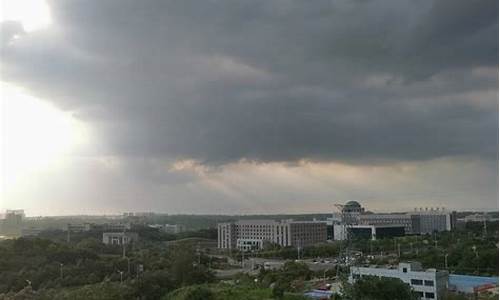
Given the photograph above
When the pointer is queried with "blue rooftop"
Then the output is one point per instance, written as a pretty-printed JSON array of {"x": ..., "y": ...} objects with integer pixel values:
[
  {"x": 319, "y": 294},
  {"x": 467, "y": 283}
]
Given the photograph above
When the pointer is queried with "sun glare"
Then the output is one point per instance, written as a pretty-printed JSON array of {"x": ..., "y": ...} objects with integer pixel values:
[
  {"x": 32, "y": 14},
  {"x": 35, "y": 134}
]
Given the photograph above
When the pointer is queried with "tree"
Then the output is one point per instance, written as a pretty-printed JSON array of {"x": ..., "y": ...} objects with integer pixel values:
[
  {"x": 279, "y": 289},
  {"x": 200, "y": 293},
  {"x": 375, "y": 288},
  {"x": 295, "y": 270},
  {"x": 154, "y": 284},
  {"x": 191, "y": 293},
  {"x": 185, "y": 267}
]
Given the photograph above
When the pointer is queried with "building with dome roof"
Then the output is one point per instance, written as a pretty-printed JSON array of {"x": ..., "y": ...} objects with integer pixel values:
[
  {"x": 417, "y": 222},
  {"x": 353, "y": 207}
]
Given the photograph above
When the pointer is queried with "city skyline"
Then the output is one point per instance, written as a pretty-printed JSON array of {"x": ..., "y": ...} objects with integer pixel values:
[{"x": 230, "y": 108}]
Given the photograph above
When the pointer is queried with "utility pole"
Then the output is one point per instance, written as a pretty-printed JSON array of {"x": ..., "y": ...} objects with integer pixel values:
[
  {"x": 198, "y": 251},
  {"x": 474, "y": 248},
  {"x": 298, "y": 250},
  {"x": 399, "y": 250},
  {"x": 68, "y": 235},
  {"x": 446, "y": 261},
  {"x": 485, "y": 232},
  {"x": 123, "y": 242},
  {"x": 128, "y": 266},
  {"x": 61, "y": 270}
]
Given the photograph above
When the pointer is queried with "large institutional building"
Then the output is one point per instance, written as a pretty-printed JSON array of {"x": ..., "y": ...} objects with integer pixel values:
[
  {"x": 353, "y": 221},
  {"x": 421, "y": 221},
  {"x": 254, "y": 234}
]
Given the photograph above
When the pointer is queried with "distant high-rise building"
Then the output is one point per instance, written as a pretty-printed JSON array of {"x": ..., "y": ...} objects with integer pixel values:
[{"x": 12, "y": 223}]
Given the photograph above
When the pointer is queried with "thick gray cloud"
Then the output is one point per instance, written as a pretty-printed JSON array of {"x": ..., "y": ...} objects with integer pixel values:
[
  {"x": 280, "y": 80},
  {"x": 360, "y": 82}
]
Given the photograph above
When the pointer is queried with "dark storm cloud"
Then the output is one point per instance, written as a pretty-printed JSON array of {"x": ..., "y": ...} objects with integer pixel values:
[{"x": 272, "y": 80}]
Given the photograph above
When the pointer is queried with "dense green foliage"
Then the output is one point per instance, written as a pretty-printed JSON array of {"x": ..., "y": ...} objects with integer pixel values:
[
  {"x": 63, "y": 270},
  {"x": 375, "y": 288},
  {"x": 229, "y": 292},
  {"x": 176, "y": 267}
]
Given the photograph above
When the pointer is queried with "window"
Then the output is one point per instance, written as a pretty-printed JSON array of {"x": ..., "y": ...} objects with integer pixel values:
[
  {"x": 405, "y": 270},
  {"x": 416, "y": 282},
  {"x": 429, "y": 295},
  {"x": 429, "y": 283},
  {"x": 420, "y": 294}
]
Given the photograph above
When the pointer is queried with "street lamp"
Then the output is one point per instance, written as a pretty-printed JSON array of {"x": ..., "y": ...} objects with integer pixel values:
[
  {"x": 121, "y": 276},
  {"x": 474, "y": 248},
  {"x": 61, "y": 270}
]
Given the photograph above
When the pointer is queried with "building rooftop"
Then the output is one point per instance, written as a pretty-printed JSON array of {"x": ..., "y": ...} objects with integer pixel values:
[{"x": 353, "y": 203}]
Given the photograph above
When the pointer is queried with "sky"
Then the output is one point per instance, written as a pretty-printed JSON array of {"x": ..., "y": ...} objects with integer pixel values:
[{"x": 237, "y": 107}]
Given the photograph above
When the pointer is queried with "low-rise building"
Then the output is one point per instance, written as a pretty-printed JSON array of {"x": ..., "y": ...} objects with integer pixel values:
[
  {"x": 174, "y": 228},
  {"x": 477, "y": 218},
  {"x": 79, "y": 227},
  {"x": 30, "y": 232},
  {"x": 119, "y": 238},
  {"x": 84, "y": 227},
  {"x": 169, "y": 228},
  {"x": 427, "y": 284}
]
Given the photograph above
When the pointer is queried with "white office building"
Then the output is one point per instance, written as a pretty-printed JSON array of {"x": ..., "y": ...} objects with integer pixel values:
[
  {"x": 427, "y": 284},
  {"x": 254, "y": 234}
]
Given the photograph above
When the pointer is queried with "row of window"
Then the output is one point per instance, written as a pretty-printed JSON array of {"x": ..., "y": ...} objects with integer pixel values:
[
  {"x": 427, "y": 295},
  {"x": 422, "y": 282}
]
